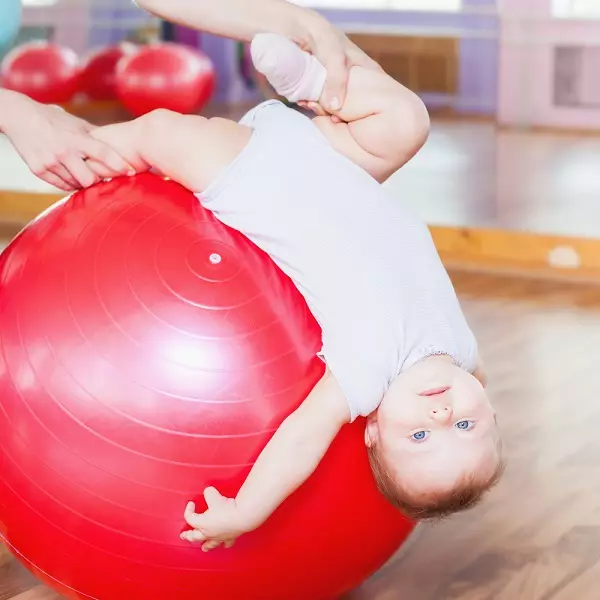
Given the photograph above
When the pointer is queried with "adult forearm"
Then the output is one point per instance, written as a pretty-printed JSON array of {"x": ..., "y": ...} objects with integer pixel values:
[
  {"x": 11, "y": 104},
  {"x": 238, "y": 19}
]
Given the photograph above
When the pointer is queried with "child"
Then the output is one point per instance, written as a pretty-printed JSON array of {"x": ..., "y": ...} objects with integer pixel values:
[{"x": 395, "y": 342}]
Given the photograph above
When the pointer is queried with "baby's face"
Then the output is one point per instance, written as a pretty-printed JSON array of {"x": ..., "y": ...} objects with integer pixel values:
[{"x": 435, "y": 425}]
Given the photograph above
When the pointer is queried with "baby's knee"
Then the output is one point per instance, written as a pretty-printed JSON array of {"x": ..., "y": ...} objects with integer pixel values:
[
  {"x": 163, "y": 121},
  {"x": 157, "y": 118},
  {"x": 409, "y": 119}
]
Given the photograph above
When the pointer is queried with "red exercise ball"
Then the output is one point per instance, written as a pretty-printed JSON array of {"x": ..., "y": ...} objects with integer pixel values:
[
  {"x": 46, "y": 72},
  {"x": 165, "y": 75},
  {"x": 149, "y": 351},
  {"x": 99, "y": 71}
]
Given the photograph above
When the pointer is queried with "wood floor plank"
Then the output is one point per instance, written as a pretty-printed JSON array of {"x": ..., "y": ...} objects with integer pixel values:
[
  {"x": 14, "y": 579},
  {"x": 39, "y": 592},
  {"x": 5, "y": 555}
]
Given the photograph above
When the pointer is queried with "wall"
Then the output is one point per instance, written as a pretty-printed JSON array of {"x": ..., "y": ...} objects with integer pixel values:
[
  {"x": 68, "y": 18},
  {"x": 112, "y": 20},
  {"x": 478, "y": 28},
  {"x": 526, "y": 74},
  {"x": 85, "y": 24}
]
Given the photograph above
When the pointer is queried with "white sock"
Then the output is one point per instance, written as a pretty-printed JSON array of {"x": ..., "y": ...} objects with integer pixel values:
[{"x": 294, "y": 74}]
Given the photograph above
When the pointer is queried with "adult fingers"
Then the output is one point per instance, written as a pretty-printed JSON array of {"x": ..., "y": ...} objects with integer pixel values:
[
  {"x": 56, "y": 181},
  {"x": 50, "y": 170},
  {"x": 102, "y": 153},
  {"x": 60, "y": 171},
  {"x": 100, "y": 169},
  {"x": 79, "y": 170},
  {"x": 336, "y": 84}
]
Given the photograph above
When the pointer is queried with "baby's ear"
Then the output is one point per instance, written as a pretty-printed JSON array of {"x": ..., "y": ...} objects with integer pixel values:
[{"x": 371, "y": 430}]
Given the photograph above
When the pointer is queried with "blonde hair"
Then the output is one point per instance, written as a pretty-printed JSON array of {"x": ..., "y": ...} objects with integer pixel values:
[{"x": 464, "y": 495}]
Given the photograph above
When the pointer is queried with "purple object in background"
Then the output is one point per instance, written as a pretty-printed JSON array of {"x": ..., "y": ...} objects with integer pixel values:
[
  {"x": 222, "y": 53},
  {"x": 188, "y": 37}
]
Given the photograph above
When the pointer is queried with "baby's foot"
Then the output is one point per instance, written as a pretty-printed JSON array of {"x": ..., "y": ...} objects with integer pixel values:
[{"x": 294, "y": 74}]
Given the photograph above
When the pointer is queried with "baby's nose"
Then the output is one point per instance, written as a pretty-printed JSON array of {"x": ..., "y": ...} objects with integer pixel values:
[{"x": 442, "y": 414}]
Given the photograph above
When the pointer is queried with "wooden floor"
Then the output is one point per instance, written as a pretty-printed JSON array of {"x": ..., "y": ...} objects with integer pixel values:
[{"x": 537, "y": 537}]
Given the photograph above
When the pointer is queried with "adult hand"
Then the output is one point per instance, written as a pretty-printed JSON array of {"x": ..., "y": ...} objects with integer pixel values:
[
  {"x": 57, "y": 146},
  {"x": 338, "y": 54}
]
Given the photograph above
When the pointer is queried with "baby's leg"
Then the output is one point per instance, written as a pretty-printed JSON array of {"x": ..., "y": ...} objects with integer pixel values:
[
  {"x": 384, "y": 124},
  {"x": 189, "y": 149}
]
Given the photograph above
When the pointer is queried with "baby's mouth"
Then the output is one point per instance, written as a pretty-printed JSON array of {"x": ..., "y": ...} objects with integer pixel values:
[{"x": 435, "y": 391}]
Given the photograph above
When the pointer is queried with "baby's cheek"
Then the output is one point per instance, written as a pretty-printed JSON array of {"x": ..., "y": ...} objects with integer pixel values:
[{"x": 402, "y": 408}]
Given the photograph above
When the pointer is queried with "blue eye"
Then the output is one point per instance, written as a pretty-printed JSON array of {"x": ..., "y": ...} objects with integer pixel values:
[
  {"x": 420, "y": 436},
  {"x": 465, "y": 425}
]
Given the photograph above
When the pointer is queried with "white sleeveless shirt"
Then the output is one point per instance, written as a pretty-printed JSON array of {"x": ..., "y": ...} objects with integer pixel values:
[{"x": 367, "y": 268}]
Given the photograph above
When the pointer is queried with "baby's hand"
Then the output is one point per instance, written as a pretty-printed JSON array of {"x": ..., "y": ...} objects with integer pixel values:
[
  {"x": 222, "y": 522},
  {"x": 319, "y": 110}
]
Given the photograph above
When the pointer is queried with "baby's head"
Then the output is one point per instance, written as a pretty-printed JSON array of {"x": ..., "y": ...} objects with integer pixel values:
[{"x": 434, "y": 444}]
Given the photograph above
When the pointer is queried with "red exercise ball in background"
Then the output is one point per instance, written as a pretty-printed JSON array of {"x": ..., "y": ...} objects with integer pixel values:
[
  {"x": 46, "y": 72},
  {"x": 99, "y": 71},
  {"x": 149, "y": 351},
  {"x": 165, "y": 75}
]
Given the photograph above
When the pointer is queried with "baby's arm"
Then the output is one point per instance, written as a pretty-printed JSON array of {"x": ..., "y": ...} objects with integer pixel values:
[{"x": 287, "y": 461}]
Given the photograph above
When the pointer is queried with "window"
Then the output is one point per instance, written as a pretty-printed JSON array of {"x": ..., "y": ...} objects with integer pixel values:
[
  {"x": 576, "y": 9},
  {"x": 414, "y": 5}
]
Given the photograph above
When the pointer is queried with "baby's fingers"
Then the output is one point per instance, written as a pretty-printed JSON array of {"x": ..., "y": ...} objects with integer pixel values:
[
  {"x": 192, "y": 518},
  {"x": 210, "y": 545},
  {"x": 193, "y": 535}
]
